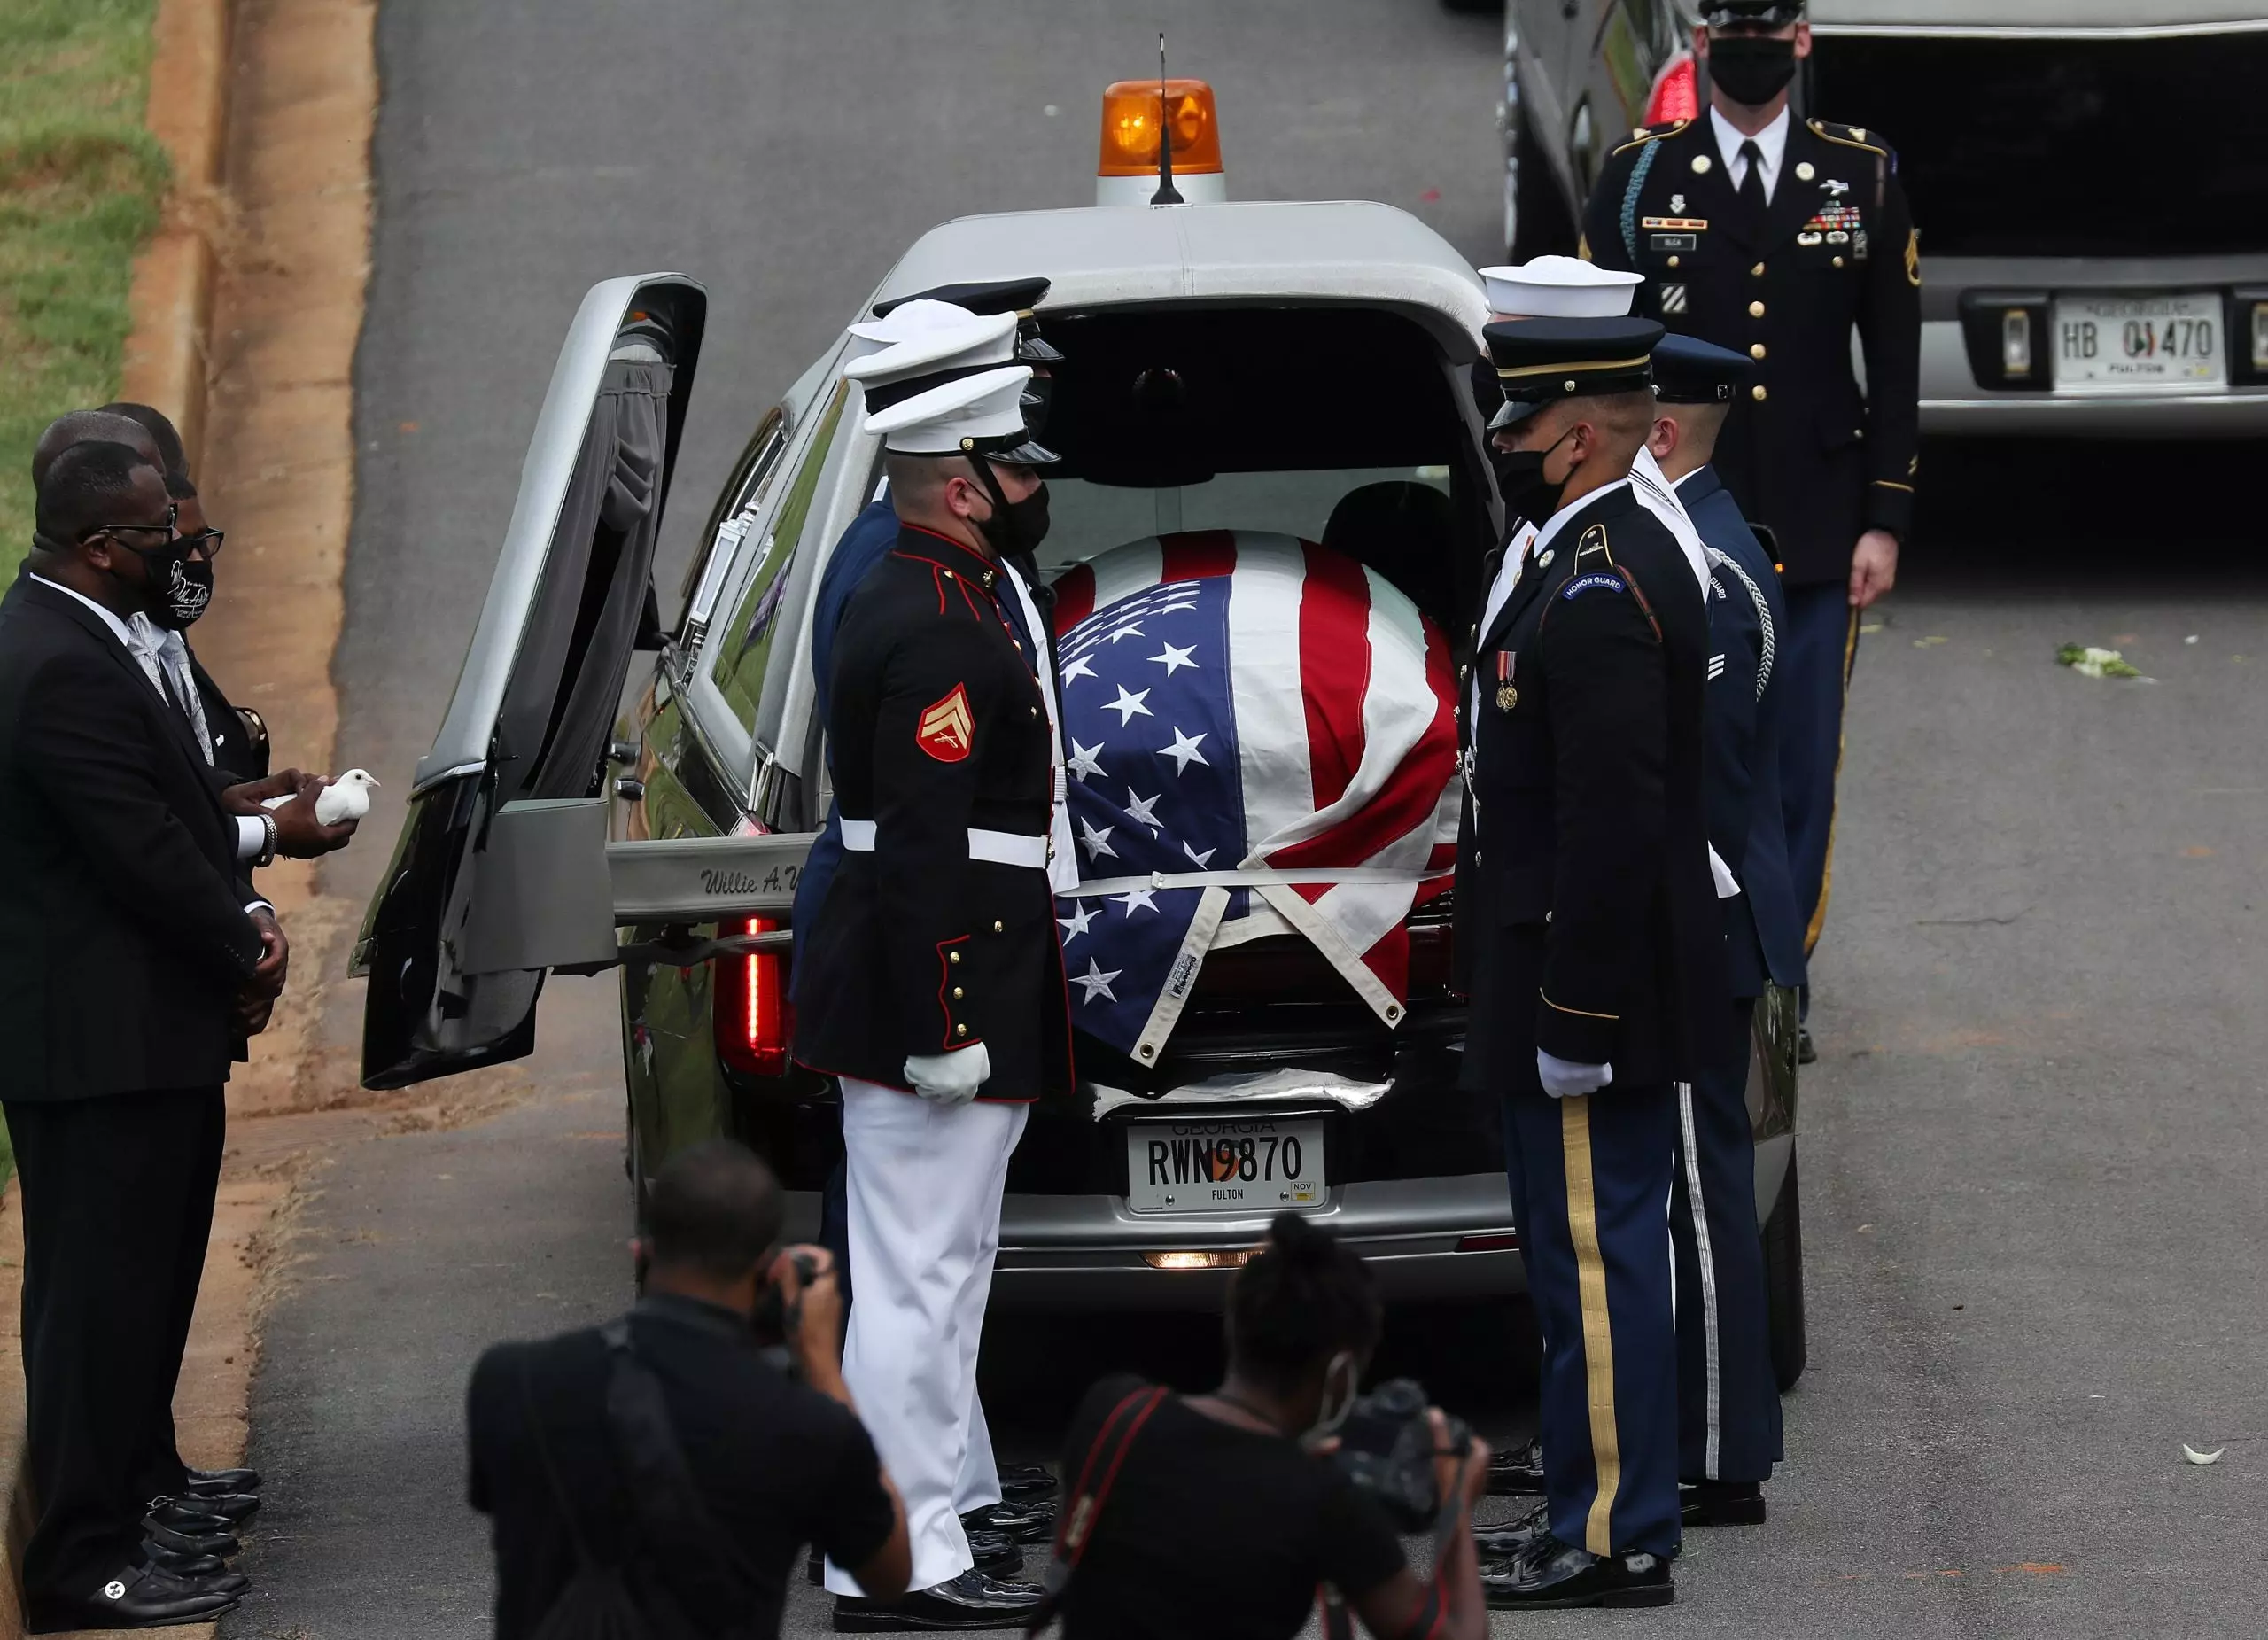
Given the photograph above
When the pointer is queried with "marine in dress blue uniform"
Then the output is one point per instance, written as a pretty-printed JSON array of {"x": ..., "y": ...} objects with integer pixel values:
[
  {"x": 1589, "y": 938},
  {"x": 1729, "y": 1402},
  {"x": 1779, "y": 245}
]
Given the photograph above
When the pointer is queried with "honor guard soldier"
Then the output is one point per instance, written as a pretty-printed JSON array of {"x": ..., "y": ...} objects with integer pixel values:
[
  {"x": 1728, "y": 1399},
  {"x": 870, "y": 536},
  {"x": 933, "y": 987},
  {"x": 1776, "y": 236},
  {"x": 1588, "y": 940}
]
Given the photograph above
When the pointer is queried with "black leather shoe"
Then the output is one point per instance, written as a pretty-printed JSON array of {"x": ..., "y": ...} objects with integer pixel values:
[
  {"x": 1502, "y": 1542},
  {"x": 183, "y": 1565},
  {"x": 163, "y": 1536},
  {"x": 995, "y": 1552},
  {"x": 230, "y": 1507},
  {"x": 970, "y": 1601},
  {"x": 1027, "y": 1483},
  {"x": 1806, "y": 1054},
  {"x": 188, "y": 1516},
  {"x": 138, "y": 1597},
  {"x": 1722, "y": 1503},
  {"x": 1025, "y": 1523},
  {"x": 223, "y": 1480},
  {"x": 1517, "y": 1472},
  {"x": 1548, "y": 1574}
]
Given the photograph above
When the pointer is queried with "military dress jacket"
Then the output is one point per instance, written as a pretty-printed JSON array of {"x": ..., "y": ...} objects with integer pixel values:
[
  {"x": 1805, "y": 451},
  {"x": 1584, "y": 904},
  {"x": 1764, "y": 932},
  {"x": 938, "y": 931}
]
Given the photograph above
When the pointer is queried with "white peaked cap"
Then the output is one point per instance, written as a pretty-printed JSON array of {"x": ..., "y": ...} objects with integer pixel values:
[
  {"x": 1560, "y": 287},
  {"x": 986, "y": 406},
  {"x": 921, "y": 337}
]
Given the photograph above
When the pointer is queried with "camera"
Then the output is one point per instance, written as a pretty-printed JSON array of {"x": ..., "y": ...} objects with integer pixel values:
[
  {"x": 771, "y": 1322},
  {"x": 1386, "y": 1448}
]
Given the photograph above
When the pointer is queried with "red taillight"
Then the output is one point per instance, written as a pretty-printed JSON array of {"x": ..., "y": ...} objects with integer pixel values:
[
  {"x": 753, "y": 1019},
  {"x": 1676, "y": 94}
]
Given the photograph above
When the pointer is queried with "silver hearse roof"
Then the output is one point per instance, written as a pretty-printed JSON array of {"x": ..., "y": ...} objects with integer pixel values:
[
  {"x": 1339, "y": 250},
  {"x": 2070, "y": 18}
]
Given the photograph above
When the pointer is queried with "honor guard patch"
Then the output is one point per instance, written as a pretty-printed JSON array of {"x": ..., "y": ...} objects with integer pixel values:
[
  {"x": 1582, "y": 584},
  {"x": 945, "y": 729}
]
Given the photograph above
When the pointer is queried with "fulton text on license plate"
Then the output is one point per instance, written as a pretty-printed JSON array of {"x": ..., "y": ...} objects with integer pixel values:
[
  {"x": 1224, "y": 1165},
  {"x": 2107, "y": 342}
]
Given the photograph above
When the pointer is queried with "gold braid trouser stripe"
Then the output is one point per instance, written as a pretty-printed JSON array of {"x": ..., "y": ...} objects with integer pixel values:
[
  {"x": 1842, "y": 739},
  {"x": 1598, "y": 1330}
]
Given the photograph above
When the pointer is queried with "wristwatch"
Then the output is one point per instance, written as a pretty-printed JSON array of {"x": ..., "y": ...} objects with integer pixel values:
[{"x": 268, "y": 849}]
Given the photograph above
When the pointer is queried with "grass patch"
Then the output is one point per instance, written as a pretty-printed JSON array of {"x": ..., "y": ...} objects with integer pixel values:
[{"x": 81, "y": 185}]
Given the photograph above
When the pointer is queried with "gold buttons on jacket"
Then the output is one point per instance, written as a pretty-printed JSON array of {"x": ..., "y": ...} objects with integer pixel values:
[
  {"x": 1756, "y": 391},
  {"x": 1672, "y": 262},
  {"x": 1838, "y": 261},
  {"x": 1757, "y": 271},
  {"x": 952, "y": 956},
  {"x": 1756, "y": 350},
  {"x": 1035, "y": 712},
  {"x": 960, "y": 1030},
  {"x": 999, "y": 928},
  {"x": 1756, "y": 310},
  {"x": 956, "y": 993}
]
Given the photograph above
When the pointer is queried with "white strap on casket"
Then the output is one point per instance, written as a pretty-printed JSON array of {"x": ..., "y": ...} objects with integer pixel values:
[{"x": 1250, "y": 877}]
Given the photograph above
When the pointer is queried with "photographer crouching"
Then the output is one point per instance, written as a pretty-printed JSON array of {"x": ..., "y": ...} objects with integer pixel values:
[
  {"x": 660, "y": 1475},
  {"x": 1230, "y": 1514}
]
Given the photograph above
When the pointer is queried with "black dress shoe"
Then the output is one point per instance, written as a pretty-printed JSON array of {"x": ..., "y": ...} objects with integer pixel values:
[
  {"x": 1806, "y": 1054},
  {"x": 1517, "y": 1472},
  {"x": 1722, "y": 1503},
  {"x": 223, "y": 1480},
  {"x": 994, "y": 1552},
  {"x": 189, "y": 1516},
  {"x": 138, "y": 1597},
  {"x": 1502, "y": 1542},
  {"x": 1026, "y": 1523},
  {"x": 1548, "y": 1574},
  {"x": 183, "y": 1565},
  {"x": 163, "y": 1536},
  {"x": 970, "y": 1601},
  {"x": 1027, "y": 1483},
  {"x": 229, "y": 1506}
]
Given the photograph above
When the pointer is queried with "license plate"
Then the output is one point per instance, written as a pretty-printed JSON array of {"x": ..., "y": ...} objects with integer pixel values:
[
  {"x": 1216, "y": 1166},
  {"x": 2109, "y": 342}
]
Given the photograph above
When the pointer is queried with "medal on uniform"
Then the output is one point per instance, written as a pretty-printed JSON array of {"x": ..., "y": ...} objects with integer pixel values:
[{"x": 1507, "y": 696}]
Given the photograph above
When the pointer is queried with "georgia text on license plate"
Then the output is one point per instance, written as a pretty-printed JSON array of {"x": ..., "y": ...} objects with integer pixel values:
[
  {"x": 1260, "y": 1164},
  {"x": 2139, "y": 341}
]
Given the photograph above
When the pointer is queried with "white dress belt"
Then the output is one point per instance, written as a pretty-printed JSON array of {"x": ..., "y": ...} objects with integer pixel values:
[{"x": 1001, "y": 848}]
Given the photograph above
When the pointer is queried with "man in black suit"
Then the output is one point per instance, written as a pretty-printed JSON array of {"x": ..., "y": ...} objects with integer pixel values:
[
  {"x": 133, "y": 969},
  {"x": 1587, "y": 913}
]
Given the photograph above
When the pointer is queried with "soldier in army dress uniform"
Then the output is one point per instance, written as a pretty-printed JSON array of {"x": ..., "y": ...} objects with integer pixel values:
[
  {"x": 1588, "y": 921},
  {"x": 933, "y": 987},
  {"x": 1776, "y": 236}
]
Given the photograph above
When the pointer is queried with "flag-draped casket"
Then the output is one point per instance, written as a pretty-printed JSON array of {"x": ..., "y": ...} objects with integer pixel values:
[{"x": 1261, "y": 741}]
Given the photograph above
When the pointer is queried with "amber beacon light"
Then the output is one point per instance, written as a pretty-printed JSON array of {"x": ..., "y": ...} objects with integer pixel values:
[{"x": 1133, "y": 113}]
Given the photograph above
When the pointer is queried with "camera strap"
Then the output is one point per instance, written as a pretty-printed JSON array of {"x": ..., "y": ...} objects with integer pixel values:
[{"x": 1097, "y": 1473}]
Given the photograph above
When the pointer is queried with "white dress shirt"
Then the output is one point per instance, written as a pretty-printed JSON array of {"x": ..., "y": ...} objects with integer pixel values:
[
  {"x": 251, "y": 833},
  {"x": 1771, "y": 142}
]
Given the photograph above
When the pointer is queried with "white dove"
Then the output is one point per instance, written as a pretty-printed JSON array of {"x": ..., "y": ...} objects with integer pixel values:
[{"x": 345, "y": 798}]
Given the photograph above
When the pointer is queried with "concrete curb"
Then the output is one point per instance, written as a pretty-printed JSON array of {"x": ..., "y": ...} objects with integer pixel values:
[{"x": 171, "y": 301}]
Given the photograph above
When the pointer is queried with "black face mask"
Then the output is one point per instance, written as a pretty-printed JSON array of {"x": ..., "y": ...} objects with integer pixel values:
[
  {"x": 1751, "y": 69},
  {"x": 188, "y": 589},
  {"x": 1519, "y": 479},
  {"x": 1015, "y": 527}
]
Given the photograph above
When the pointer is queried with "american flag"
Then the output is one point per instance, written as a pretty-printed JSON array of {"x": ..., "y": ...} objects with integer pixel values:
[{"x": 1235, "y": 701}]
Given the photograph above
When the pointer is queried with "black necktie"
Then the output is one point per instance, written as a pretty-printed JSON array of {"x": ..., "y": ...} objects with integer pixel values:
[{"x": 1751, "y": 186}]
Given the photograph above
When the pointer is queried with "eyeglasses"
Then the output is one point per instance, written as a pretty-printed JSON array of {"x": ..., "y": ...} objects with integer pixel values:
[
  {"x": 207, "y": 542},
  {"x": 168, "y": 529}
]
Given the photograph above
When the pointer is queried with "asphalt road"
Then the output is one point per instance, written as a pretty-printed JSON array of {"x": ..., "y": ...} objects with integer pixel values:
[{"x": 2033, "y": 1150}]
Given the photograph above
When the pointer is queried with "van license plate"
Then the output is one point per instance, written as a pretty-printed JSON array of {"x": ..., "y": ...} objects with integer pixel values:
[
  {"x": 2105, "y": 342},
  {"x": 1226, "y": 1166}
]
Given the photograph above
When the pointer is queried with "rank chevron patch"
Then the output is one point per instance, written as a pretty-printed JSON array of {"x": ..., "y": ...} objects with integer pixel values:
[{"x": 945, "y": 728}]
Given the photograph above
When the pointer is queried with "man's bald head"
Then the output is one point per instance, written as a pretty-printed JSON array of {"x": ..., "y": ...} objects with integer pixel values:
[
  {"x": 172, "y": 457},
  {"x": 92, "y": 427}
]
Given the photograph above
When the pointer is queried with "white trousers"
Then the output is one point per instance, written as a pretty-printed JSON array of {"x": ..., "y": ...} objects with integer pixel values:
[{"x": 924, "y": 1198}]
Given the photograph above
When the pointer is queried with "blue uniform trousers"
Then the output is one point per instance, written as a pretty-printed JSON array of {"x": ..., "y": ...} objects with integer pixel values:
[
  {"x": 810, "y": 893},
  {"x": 1728, "y": 1399},
  {"x": 1591, "y": 1180},
  {"x": 1816, "y": 653}
]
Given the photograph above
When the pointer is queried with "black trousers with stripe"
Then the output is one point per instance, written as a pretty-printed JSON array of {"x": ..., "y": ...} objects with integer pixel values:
[
  {"x": 1727, "y": 1401},
  {"x": 118, "y": 1196},
  {"x": 1590, "y": 1181}
]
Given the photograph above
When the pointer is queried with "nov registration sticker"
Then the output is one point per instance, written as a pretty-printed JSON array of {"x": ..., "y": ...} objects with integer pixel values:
[{"x": 1259, "y": 1164}]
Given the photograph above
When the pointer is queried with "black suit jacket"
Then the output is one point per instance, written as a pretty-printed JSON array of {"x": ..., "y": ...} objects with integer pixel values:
[
  {"x": 937, "y": 726},
  {"x": 1584, "y": 895},
  {"x": 123, "y": 937},
  {"x": 236, "y": 749},
  {"x": 1803, "y": 452}
]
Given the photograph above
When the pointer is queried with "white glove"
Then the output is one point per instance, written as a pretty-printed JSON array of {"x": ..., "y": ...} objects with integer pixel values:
[
  {"x": 1563, "y": 1078},
  {"x": 950, "y": 1078}
]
